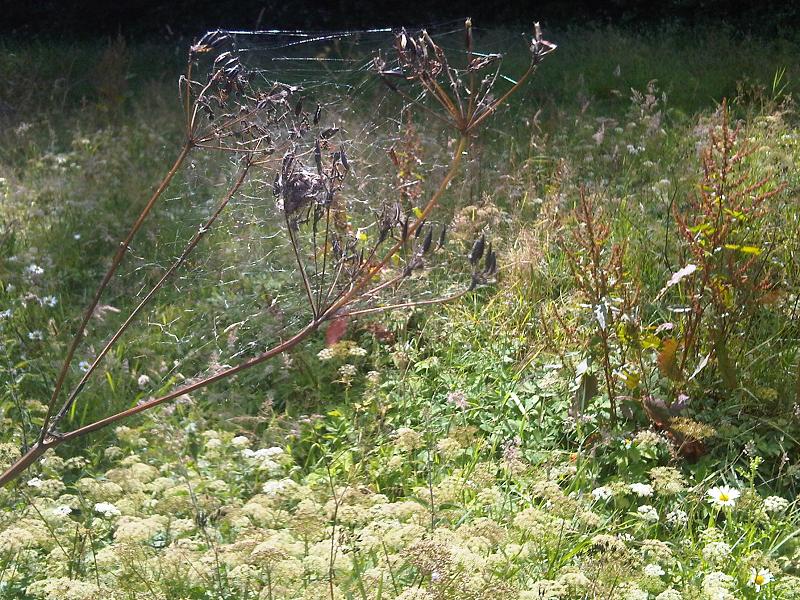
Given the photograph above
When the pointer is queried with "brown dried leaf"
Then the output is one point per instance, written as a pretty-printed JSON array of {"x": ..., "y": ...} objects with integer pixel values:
[{"x": 668, "y": 359}]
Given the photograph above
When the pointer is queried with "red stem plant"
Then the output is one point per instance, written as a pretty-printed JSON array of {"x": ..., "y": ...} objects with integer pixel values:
[
  {"x": 344, "y": 277},
  {"x": 597, "y": 266},
  {"x": 722, "y": 229}
]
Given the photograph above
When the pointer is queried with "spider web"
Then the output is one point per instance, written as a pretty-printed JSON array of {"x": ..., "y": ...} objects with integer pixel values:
[{"x": 240, "y": 290}]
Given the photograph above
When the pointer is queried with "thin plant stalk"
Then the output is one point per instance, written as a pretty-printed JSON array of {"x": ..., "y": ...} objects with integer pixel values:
[{"x": 116, "y": 261}]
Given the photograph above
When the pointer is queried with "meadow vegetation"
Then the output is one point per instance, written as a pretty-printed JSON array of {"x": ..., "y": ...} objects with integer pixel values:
[{"x": 617, "y": 416}]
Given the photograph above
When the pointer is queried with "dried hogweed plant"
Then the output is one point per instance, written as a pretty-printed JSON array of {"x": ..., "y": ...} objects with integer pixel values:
[{"x": 284, "y": 148}]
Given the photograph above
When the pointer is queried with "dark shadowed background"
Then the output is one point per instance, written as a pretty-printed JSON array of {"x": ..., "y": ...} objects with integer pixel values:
[{"x": 148, "y": 18}]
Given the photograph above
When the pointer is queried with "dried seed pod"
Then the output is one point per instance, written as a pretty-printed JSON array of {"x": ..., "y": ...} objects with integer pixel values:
[
  {"x": 317, "y": 114},
  {"x": 414, "y": 263},
  {"x": 343, "y": 157},
  {"x": 477, "y": 250},
  {"x": 442, "y": 237},
  {"x": 318, "y": 158},
  {"x": 393, "y": 157},
  {"x": 329, "y": 133},
  {"x": 288, "y": 159},
  {"x": 426, "y": 244},
  {"x": 277, "y": 184},
  {"x": 491, "y": 263},
  {"x": 404, "y": 235},
  {"x": 222, "y": 57},
  {"x": 417, "y": 233}
]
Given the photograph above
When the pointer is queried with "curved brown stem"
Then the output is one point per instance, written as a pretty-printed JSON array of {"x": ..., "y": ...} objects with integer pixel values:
[
  {"x": 118, "y": 256},
  {"x": 40, "y": 448},
  {"x": 167, "y": 274},
  {"x": 25, "y": 461}
]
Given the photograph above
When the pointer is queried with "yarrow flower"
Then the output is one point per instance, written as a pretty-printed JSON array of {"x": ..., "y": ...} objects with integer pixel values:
[
  {"x": 325, "y": 354},
  {"x": 241, "y": 441},
  {"x": 641, "y": 489},
  {"x": 653, "y": 570},
  {"x": 667, "y": 480},
  {"x": 759, "y": 578},
  {"x": 716, "y": 552},
  {"x": 274, "y": 487},
  {"x": 715, "y": 585},
  {"x": 61, "y": 511},
  {"x": 34, "y": 269},
  {"x": 458, "y": 399},
  {"x": 107, "y": 509},
  {"x": 262, "y": 452},
  {"x": 407, "y": 439},
  {"x": 775, "y": 504},
  {"x": 723, "y": 496},
  {"x": 602, "y": 493},
  {"x": 677, "y": 517},
  {"x": 347, "y": 372},
  {"x": 648, "y": 513}
]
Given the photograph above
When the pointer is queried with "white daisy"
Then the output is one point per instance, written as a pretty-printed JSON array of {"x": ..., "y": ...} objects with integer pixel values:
[
  {"x": 723, "y": 495},
  {"x": 760, "y": 578}
]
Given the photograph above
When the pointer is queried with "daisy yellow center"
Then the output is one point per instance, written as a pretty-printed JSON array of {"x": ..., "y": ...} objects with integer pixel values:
[
  {"x": 723, "y": 497},
  {"x": 759, "y": 579}
]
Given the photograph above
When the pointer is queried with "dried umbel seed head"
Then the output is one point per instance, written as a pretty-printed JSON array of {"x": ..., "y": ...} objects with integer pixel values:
[
  {"x": 465, "y": 100},
  {"x": 419, "y": 57},
  {"x": 300, "y": 189}
]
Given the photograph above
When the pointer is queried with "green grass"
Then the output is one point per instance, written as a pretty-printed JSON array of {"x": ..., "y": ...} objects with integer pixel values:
[{"x": 470, "y": 455}]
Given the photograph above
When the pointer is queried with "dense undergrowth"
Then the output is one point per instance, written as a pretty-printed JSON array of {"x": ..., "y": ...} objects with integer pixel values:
[{"x": 617, "y": 418}]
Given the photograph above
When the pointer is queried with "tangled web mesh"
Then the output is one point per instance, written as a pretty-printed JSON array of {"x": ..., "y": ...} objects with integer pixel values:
[{"x": 306, "y": 168}]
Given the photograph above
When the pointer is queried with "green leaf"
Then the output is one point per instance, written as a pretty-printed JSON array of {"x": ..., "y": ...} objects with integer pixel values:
[{"x": 754, "y": 250}]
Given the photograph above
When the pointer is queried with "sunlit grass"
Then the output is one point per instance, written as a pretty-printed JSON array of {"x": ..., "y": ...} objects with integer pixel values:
[{"x": 462, "y": 452}]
